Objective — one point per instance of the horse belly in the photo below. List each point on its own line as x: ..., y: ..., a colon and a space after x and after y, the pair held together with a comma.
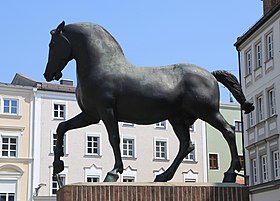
x: 144, y: 111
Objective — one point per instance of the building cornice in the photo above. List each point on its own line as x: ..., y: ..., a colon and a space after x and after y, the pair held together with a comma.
x: 264, y: 187
x: 256, y: 26
x: 268, y: 139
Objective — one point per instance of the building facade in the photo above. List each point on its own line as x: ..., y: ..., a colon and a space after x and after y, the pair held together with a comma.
x: 147, y: 150
x: 16, y: 148
x: 259, y: 65
x: 218, y: 152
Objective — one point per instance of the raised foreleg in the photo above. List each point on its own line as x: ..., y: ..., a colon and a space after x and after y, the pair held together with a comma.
x: 79, y: 121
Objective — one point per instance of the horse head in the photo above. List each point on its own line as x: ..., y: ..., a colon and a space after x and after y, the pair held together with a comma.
x: 59, y: 54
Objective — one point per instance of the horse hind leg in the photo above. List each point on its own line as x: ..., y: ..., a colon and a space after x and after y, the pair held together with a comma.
x: 218, y: 121
x: 181, y: 129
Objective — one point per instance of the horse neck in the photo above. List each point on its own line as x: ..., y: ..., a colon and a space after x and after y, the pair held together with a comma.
x: 92, y: 60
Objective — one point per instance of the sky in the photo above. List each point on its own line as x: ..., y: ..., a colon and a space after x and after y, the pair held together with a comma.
x: 150, y: 32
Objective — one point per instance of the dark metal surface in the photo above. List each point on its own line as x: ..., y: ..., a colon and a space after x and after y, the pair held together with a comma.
x: 111, y: 89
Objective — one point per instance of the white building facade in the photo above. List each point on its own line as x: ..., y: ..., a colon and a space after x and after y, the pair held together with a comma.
x: 146, y: 150
x: 259, y: 65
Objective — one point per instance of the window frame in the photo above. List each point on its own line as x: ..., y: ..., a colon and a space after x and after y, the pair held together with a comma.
x: 276, y: 164
x: 269, y: 46
x: 264, y: 168
x: 9, y: 135
x: 238, y: 126
x: 60, y: 103
x: 10, y: 98
x: 166, y: 149
x: 92, y: 177
x: 133, y: 139
x: 161, y: 125
x: 254, y: 171
x: 131, y: 178
x: 260, y: 108
x: 271, y: 99
x: 210, y: 161
x: 248, y: 64
x: 258, y: 55
x: 192, y: 153
x: 99, y: 148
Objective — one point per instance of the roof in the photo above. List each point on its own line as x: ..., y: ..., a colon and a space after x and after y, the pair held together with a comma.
x: 23, y: 80
x: 256, y: 26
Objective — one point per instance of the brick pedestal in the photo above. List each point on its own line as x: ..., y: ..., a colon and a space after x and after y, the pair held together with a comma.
x: 153, y: 192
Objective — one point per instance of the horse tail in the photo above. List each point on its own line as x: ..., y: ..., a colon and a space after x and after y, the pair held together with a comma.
x: 231, y: 82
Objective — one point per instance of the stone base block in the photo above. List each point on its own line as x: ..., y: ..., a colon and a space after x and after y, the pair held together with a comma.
x: 153, y: 192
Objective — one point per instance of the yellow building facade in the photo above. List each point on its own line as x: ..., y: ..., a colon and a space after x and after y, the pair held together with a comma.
x: 15, y: 142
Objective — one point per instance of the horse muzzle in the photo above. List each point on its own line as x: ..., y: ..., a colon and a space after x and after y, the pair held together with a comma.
x: 55, y: 76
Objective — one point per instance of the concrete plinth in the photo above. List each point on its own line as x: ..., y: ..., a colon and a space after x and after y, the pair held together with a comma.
x: 153, y: 192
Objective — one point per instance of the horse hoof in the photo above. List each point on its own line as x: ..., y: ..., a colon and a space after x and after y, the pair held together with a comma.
x: 160, y: 178
x: 229, y: 177
x: 111, y: 177
x: 58, y: 166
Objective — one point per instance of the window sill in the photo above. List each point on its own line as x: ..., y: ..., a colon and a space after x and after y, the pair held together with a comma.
x: 10, y: 116
x: 92, y: 156
x: 129, y: 158
x: 189, y: 161
x: 160, y: 160
x: 58, y: 119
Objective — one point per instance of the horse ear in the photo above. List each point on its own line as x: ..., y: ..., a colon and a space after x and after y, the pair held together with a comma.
x: 60, y: 27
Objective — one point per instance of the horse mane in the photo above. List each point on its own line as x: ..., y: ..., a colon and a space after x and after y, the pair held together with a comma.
x: 89, y: 27
x: 113, y: 38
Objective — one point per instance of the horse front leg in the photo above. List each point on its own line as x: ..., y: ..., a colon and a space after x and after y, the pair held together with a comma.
x: 81, y: 120
x: 111, y: 125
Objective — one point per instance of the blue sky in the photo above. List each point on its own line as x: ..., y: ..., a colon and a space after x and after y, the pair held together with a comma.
x: 151, y: 32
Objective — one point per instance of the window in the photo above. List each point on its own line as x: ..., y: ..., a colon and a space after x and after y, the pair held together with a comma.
x: 10, y: 106
x: 264, y: 168
x: 9, y: 146
x: 269, y: 46
x: 128, y: 179
x: 251, y: 119
x: 271, y: 102
x: 258, y: 50
x: 7, y: 196
x: 213, y: 161
x: 238, y: 126
x: 248, y: 62
x: 55, y: 185
x: 128, y: 148
x: 191, y: 155
x: 59, y: 111
x: 276, y: 164
x: 161, y: 149
x: 241, y: 160
x: 161, y: 124
x: 93, y: 178
x: 254, y: 170
x: 93, y: 145
x: 260, y: 108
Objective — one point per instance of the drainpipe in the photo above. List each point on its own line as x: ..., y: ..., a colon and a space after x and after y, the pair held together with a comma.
x: 242, y: 131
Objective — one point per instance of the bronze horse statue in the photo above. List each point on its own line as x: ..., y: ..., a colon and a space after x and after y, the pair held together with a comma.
x: 111, y: 89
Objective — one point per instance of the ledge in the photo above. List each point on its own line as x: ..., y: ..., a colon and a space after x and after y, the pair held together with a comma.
x: 153, y: 191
